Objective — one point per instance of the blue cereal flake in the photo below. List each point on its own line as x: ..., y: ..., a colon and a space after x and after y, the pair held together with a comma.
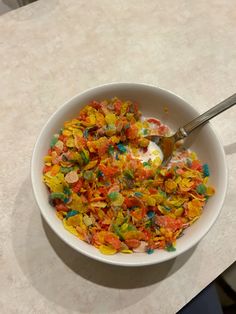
x: 150, y: 251
x: 72, y: 213
x: 100, y: 174
x: 53, y: 141
x: 66, y: 169
x: 113, y: 196
x: 138, y: 194
x: 145, y: 131
x: 150, y: 214
x: 170, y: 248
x: 206, y: 171
x: 85, y: 134
x: 121, y: 148
x: 201, y: 189
x: 111, y: 150
x: 67, y: 191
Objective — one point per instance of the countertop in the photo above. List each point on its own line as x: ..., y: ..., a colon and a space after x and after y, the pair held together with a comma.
x: 54, y: 49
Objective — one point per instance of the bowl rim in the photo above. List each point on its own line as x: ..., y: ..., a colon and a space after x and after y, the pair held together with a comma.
x: 103, y: 258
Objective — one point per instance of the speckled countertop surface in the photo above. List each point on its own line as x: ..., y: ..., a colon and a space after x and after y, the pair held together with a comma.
x: 50, y: 51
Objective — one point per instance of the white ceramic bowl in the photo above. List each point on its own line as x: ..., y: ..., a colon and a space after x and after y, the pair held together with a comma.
x: 151, y: 101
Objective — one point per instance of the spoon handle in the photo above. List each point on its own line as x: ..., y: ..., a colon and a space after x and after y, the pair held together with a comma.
x: 205, y: 117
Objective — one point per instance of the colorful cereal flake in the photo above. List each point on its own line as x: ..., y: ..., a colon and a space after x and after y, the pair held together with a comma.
x: 106, y: 196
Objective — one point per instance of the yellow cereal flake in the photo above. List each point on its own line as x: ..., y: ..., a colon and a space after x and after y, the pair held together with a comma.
x: 66, y: 133
x: 126, y: 251
x: 91, y: 165
x: 170, y: 186
x: 194, y: 208
x: 69, y: 228
x: 185, y: 185
x: 76, y: 203
x: 107, y: 250
x: 70, y: 142
x: 56, y: 183
x: 48, y: 159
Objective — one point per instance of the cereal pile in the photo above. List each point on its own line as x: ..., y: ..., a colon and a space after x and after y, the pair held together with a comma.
x: 106, y: 195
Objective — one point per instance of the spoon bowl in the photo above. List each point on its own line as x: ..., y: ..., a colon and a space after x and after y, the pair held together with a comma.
x: 167, y: 143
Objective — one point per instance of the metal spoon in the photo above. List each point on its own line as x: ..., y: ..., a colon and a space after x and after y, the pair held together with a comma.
x: 166, y: 144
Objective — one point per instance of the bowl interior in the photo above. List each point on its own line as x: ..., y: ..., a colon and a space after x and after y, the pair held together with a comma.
x: 153, y: 103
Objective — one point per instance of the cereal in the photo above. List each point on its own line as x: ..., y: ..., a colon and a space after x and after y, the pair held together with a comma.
x: 107, y: 195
